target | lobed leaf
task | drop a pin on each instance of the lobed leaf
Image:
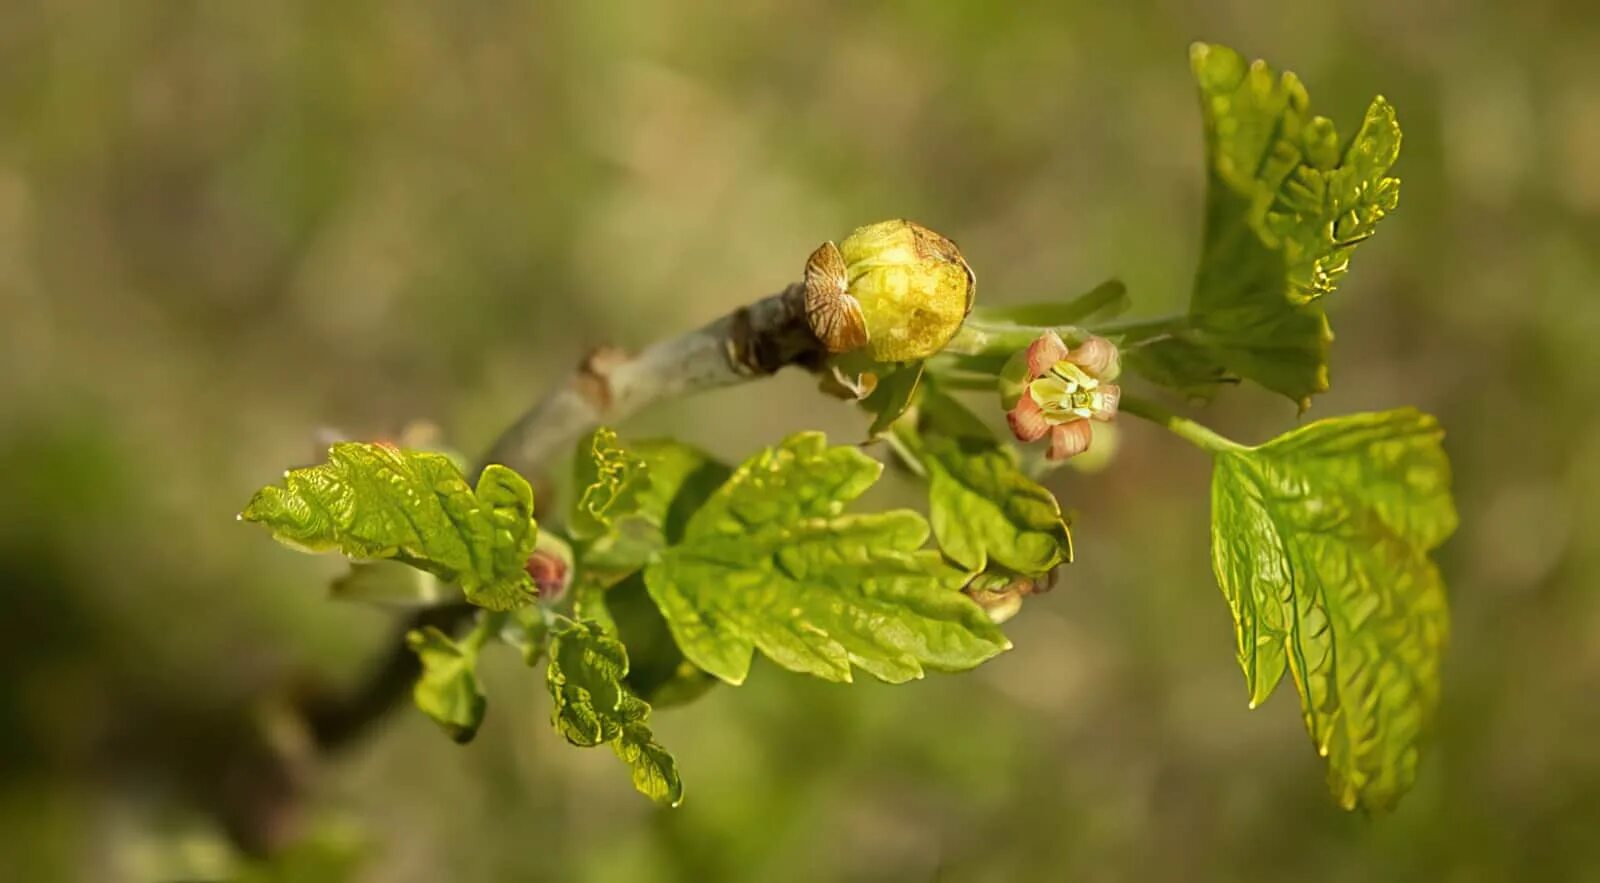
(769, 562)
(593, 707)
(609, 480)
(984, 511)
(375, 501)
(1320, 542)
(1285, 211)
(673, 480)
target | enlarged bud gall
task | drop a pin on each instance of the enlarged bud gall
(895, 287)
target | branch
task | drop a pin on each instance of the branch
(752, 342)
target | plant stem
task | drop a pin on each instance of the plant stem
(1197, 434)
(752, 342)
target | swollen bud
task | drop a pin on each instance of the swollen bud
(895, 288)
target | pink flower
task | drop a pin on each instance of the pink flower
(1063, 391)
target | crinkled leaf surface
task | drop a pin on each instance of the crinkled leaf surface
(448, 689)
(677, 478)
(1320, 542)
(659, 673)
(771, 563)
(593, 707)
(983, 509)
(608, 482)
(373, 501)
(1285, 209)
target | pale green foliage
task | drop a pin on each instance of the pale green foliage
(669, 481)
(374, 501)
(393, 584)
(448, 689)
(1105, 301)
(983, 509)
(1284, 212)
(896, 389)
(770, 562)
(609, 480)
(593, 707)
(1320, 542)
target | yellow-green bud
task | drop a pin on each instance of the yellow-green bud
(894, 287)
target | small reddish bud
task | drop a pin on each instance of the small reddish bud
(550, 575)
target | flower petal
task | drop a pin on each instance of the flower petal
(1027, 419)
(1111, 396)
(1095, 356)
(1045, 352)
(1069, 440)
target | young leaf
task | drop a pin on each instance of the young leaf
(593, 707)
(1178, 364)
(392, 584)
(892, 396)
(448, 689)
(1284, 212)
(983, 509)
(1105, 301)
(1320, 542)
(609, 480)
(659, 673)
(679, 478)
(769, 562)
(528, 630)
(374, 501)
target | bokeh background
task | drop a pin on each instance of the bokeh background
(224, 226)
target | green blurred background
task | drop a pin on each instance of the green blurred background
(226, 225)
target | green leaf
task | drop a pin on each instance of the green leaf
(984, 510)
(680, 478)
(610, 480)
(1105, 301)
(528, 630)
(1320, 542)
(374, 501)
(660, 673)
(892, 396)
(392, 584)
(448, 689)
(770, 563)
(1284, 212)
(593, 707)
(1178, 364)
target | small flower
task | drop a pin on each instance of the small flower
(895, 289)
(1062, 391)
